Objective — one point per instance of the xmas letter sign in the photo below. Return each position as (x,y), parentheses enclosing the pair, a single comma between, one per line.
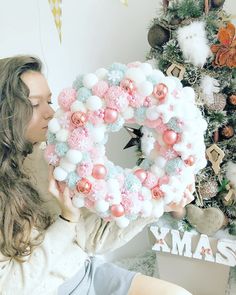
(177,244)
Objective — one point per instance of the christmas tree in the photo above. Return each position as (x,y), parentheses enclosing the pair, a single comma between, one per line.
(196,42)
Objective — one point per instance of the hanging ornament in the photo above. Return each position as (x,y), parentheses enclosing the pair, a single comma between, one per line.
(125,2)
(232,100)
(215,156)
(218,104)
(136,135)
(230,194)
(209,86)
(226,132)
(193,42)
(217,3)
(176,70)
(208,189)
(158,36)
(56,11)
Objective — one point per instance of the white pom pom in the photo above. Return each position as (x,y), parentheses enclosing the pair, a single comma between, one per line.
(122,222)
(113,186)
(145,88)
(101,73)
(78,202)
(146,208)
(58,113)
(53,125)
(146,193)
(231,173)
(94,103)
(98,133)
(90,80)
(67,166)
(158,208)
(152,113)
(101,206)
(189,93)
(59,174)
(135,74)
(78,106)
(74,156)
(128,113)
(158,75)
(157,171)
(146,68)
(62,135)
(160,162)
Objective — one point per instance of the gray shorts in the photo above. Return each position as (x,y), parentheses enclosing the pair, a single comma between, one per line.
(98,278)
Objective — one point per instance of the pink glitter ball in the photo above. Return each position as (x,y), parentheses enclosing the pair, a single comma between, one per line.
(50,156)
(66,97)
(150,180)
(84,169)
(116,98)
(100,88)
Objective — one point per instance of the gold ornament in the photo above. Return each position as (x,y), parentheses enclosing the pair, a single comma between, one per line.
(176,70)
(56,11)
(215,156)
(125,2)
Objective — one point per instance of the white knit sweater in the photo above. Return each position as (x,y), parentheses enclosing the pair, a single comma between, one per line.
(65,246)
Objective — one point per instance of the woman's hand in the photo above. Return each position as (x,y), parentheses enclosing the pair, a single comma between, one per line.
(62,194)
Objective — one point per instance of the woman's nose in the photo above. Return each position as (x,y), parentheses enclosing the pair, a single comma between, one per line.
(49,112)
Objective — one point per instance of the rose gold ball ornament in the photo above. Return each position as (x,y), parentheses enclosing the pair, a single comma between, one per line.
(127,85)
(117,210)
(170,137)
(157,193)
(84,186)
(78,119)
(160,91)
(141,174)
(99,171)
(110,115)
(190,161)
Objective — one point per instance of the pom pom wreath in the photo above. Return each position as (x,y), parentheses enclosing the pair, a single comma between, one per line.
(171,142)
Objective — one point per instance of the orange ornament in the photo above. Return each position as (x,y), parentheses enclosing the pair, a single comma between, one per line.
(225,52)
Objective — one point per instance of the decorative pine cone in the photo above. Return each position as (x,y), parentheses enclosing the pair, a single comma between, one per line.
(208,189)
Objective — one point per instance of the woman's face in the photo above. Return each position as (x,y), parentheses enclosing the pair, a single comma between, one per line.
(40,98)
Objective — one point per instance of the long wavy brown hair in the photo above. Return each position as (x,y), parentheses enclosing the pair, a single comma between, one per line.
(21,206)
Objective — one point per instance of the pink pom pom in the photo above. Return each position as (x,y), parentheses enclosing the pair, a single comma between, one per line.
(163,180)
(66,98)
(50,156)
(100,88)
(96,117)
(116,98)
(150,180)
(80,140)
(136,100)
(152,124)
(84,169)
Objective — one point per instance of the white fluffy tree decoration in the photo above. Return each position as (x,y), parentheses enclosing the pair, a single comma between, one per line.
(231,173)
(194,43)
(209,86)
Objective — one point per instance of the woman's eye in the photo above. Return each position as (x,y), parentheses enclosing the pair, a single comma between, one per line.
(35,105)
(49,102)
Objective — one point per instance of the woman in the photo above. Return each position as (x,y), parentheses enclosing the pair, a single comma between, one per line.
(41,253)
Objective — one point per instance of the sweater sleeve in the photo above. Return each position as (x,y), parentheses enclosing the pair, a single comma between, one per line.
(102,236)
(43,259)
